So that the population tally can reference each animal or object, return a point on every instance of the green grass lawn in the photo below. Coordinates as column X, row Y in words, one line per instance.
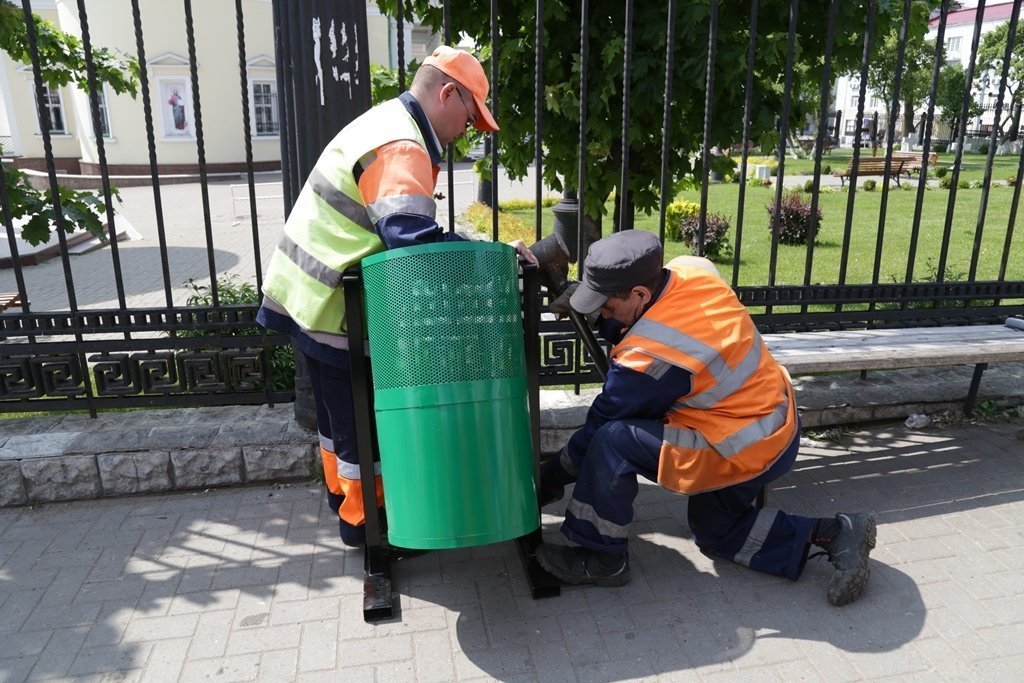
column 755, row 247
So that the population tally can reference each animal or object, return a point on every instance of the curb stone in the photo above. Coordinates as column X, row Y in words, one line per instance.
column 55, row 458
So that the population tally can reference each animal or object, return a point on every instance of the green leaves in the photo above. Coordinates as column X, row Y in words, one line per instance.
column 81, row 209
column 62, row 62
column 62, row 56
column 561, row 81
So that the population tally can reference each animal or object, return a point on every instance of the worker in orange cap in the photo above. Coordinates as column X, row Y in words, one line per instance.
column 371, row 189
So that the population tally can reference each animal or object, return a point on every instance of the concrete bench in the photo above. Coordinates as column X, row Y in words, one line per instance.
column 847, row 350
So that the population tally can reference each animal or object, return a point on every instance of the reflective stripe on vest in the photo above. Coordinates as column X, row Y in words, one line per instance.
column 727, row 380
column 338, row 200
column 741, row 412
column 748, row 436
column 308, row 263
column 329, row 229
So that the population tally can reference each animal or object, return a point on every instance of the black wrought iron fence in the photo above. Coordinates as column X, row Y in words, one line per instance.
column 138, row 352
column 634, row 109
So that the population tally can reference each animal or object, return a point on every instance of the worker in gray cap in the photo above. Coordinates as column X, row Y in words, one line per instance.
column 694, row 400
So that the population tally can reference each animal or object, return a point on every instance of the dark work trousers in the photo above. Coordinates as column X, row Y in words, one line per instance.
column 335, row 419
column 725, row 523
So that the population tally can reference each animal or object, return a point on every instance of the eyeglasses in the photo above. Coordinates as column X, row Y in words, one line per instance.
column 470, row 119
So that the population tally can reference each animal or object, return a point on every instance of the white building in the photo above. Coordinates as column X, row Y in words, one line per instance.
column 958, row 35
column 122, row 117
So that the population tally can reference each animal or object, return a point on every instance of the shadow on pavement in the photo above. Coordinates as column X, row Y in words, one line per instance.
column 220, row 580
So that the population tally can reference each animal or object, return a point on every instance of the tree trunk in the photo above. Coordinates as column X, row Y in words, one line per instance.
column 630, row 210
column 908, row 118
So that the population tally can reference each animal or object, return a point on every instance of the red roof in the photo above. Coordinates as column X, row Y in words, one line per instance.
column 959, row 17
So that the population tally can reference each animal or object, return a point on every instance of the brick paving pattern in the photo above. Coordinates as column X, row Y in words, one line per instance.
column 253, row 584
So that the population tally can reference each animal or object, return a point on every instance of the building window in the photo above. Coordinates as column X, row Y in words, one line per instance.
column 953, row 45
column 54, row 111
column 851, row 127
column 264, row 107
column 176, row 108
column 101, row 101
column 854, row 100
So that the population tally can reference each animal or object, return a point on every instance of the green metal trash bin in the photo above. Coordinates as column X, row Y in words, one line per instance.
column 450, row 395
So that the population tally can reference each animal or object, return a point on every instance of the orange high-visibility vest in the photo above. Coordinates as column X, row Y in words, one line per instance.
column 740, row 414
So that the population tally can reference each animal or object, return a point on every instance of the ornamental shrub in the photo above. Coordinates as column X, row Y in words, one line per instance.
column 941, row 171
column 794, row 220
column 1011, row 181
column 870, row 185
column 945, row 182
column 809, row 185
column 716, row 241
column 233, row 291
column 675, row 214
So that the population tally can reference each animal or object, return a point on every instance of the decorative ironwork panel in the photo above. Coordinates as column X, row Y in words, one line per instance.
column 16, row 379
column 59, row 375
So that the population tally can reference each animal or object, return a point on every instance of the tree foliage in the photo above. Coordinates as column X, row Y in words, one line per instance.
column 606, row 40
column 918, row 57
column 62, row 62
column 949, row 96
column 990, row 60
column 62, row 56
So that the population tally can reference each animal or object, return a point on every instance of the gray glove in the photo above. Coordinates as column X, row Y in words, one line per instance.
column 560, row 305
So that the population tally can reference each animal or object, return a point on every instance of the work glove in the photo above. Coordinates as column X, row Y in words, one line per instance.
column 560, row 305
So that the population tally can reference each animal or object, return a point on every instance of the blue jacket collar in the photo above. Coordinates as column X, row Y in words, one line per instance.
column 414, row 108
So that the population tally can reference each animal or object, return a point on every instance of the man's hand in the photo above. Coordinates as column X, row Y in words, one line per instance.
column 524, row 251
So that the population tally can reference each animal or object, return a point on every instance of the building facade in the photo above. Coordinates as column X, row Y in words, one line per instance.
column 123, row 123
column 958, row 35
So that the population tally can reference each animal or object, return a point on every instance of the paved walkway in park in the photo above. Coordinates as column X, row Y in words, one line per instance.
column 252, row 584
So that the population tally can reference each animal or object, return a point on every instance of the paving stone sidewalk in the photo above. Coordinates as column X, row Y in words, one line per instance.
column 251, row 583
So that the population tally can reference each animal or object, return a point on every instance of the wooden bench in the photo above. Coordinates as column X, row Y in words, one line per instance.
column 871, row 166
column 881, row 349
column 913, row 162
column 10, row 301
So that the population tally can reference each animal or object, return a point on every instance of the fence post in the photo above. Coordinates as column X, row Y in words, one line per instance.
column 323, row 83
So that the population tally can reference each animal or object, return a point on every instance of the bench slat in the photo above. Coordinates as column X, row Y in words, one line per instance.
column 889, row 349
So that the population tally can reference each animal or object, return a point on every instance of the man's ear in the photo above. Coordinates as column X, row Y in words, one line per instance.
column 643, row 293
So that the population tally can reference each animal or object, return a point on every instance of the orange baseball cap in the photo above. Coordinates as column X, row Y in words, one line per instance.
column 465, row 68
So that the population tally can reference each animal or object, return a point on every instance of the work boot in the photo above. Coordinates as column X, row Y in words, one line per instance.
column 581, row 566
column 847, row 540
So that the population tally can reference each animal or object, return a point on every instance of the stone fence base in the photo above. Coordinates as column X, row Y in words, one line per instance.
column 67, row 457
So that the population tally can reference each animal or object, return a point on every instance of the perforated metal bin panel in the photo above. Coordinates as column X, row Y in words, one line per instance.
column 450, row 399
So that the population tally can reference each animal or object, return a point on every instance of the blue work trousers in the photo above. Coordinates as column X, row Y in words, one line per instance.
column 335, row 421
column 726, row 523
